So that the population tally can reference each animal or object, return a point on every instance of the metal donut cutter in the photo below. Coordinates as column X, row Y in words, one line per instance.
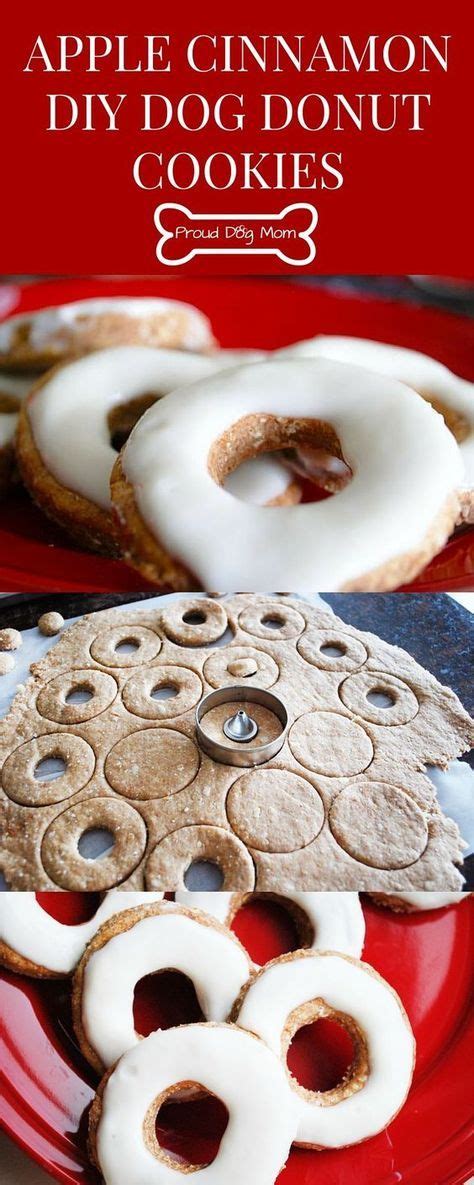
column 240, row 729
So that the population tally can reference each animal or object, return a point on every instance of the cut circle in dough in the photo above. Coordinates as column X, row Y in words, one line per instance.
column 330, row 744
column 152, row 763
column 379, row 825
column 274, row 810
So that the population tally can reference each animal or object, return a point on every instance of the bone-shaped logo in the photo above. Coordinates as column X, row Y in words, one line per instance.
column 287, row 234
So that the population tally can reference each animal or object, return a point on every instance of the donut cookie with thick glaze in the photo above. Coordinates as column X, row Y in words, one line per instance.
column 300, row 988
column 37, row 340
column 324, row 921
column 146, row 941
column 75, row 416
column 222, row 1060
column 379, row 531
column 34, row 943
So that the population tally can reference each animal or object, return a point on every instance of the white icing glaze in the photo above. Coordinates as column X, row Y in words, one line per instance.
column 230, row 1064
column 212, row 959
column 336, row 919
column 401, row 477
column 28, row 930
column 351, row 988
column 425, row 901
column 426, row 375
column 47, row 325
column 69, row 417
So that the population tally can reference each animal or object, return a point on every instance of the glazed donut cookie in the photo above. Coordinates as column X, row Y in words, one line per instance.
column 34, row 943
column 228, row 1063
column 380, row 530
column 37, row 340
column 297, row 989
column 324, row 921
column 64, row 441
column 417, row 902
column 449, row 394
column 13, row 389
column 142, row 942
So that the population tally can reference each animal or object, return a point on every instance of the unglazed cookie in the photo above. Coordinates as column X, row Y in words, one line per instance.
column 67, row 427
column 226, row 1062
column 324, row 921
column 13, row 390
column 450, row 395
column 36, row 340
column 345, row 804
column 395, row 514
column 34, row 943
column 145, row 941
column 297, row 989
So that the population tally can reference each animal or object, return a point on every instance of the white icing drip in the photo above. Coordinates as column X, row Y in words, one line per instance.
column 424, row 374
column 46, row 324
column 401, row 477
column 425, row 901
column 353, row 989
column 230, row 1064
column 215, row 963
column 32, row 933
column 69, row 416
column 336, row 919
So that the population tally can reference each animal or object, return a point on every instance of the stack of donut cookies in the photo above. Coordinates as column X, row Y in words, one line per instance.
column 206, row 489
column 236, row 1050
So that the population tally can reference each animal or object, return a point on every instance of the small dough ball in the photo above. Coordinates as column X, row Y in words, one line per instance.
column 50, row 624
column 10, row 639
column 7, row 662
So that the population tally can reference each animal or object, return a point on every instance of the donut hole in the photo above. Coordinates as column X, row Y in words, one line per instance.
column 164, row 691
column 326, row 1052
column 269, row 926
column 311, row 446
column 333, row 651
column 321, row 1055
column 164, row 999
column 194, row 617
column 122, row 419
column 79, row 695
column 185, row 1125
column 69, row 908
column 203, row 874
column 381, row 697
column 127, row 646
column 95, row 843
column 50, row 768
column 273, row 622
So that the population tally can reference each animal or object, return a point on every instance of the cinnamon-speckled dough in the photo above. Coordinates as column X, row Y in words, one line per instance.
column 345, row 804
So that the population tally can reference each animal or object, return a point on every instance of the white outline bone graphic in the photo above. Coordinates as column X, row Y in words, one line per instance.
column 166, row 235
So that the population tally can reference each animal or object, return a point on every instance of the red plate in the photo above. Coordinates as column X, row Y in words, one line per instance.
column 47, row 1087
column 243, row 312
